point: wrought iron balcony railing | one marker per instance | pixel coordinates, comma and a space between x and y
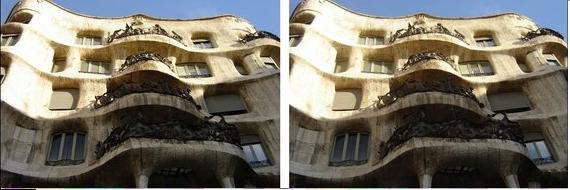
145, 56
128, 87
204, 130
413, 29
424, 56
412, 86
132, 31
347, 163
541, 32
416, 125
257, 35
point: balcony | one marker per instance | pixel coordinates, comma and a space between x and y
132, 31
541, 32
145, 56
413, 29
257, 35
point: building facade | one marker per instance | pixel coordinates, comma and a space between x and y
137, 101
425, 101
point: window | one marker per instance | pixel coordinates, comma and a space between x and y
347, 99
66, 149
2, 74
371, 40
203, 43
193, 70
341, 65
350, 149
22, 17
509, 102
485, 42
269, 63
227, 104
475, 68
9, 39
240, 68
377, 67
97, 67
58, 65
523, 66
64, 99
551, 59
304, 19
537, 148
254, 152
294, 40
88, 40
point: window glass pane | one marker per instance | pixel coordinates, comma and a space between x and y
552, 62
463, 69
79, 40
362, 40
54, 150
377, 67
259, 152
100, 67
487, 69
379, 41
367, 67
4, 40
475, 69
532, 150
248, 153
192, 70
338, 146
13, 40
96, 41
84, 66
181, 70
203, 69
351, 147
544, 153
363, 147
67, 145
79, 146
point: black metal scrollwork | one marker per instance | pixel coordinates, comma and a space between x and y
424, 56
414, 30
131, 31
415, 125
256, 35
540, 32
129, 88
145, 56
412, 86
204, 130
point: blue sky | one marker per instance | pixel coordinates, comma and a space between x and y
264, 14
546, 13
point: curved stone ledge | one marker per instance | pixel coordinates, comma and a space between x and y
485, 153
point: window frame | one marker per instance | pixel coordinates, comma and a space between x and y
371, 40
480, 67
199, 43
295, 40
485, 41
257, 162
245, 109
4, 73
269, 62
196, 68
343, 160
92, 40
382, 64
99, 64
59, 159
11, 39
551, 58
540, 160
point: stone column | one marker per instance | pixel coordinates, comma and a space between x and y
425, 180
533, 184
227, 181
142, 180
511, 180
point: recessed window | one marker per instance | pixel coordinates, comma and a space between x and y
294, 40
254, 152
537, 149
370, 40
88, 40
240, 68
226, 104
66, 149
485, 41
551, 59
341, 65
269, 63
9, 39
350, 149
193, 70
475, 68
2, 74
383, 67
509, 102
347, 99
523, 66
64, 99
58, 65
304, 19
203, 43
96, 67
